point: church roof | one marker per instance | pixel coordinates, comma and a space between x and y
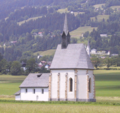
36, 80
17, 93
73, 57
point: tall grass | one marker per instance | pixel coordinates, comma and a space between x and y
56, 108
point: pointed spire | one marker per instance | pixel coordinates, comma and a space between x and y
65, 34
65, 29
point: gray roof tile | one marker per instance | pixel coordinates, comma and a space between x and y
34, 80
73, 57
17, 93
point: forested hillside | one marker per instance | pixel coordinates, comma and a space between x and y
28, 26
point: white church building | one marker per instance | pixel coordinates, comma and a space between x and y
71, 77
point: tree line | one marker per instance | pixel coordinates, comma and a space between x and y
111, 27
107, 62
49, 23
16, 67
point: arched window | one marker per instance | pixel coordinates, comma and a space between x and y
71, 84
89, 84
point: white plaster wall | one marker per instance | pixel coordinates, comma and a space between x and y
62, 85
82, 84
90, 74
17, 97
71, 74
70, 95
82, 87
38, 96
54, 84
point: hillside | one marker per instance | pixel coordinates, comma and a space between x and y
37, 25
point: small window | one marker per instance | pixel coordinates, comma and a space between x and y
71, 84
89, 85
34, 91
26, 90
42, 91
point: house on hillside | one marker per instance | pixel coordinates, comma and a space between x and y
40, 34
23, 65
13, 42
103, 35
44, 64
93, 51
71, 77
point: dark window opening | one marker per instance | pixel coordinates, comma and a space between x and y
42, 91
26, 90
89, 84
71, 84
34, 91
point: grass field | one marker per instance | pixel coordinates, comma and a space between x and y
100, 18
98, 5
76, 13
62, 10
56, 108
34, 18
107, 83
79, 31
10, 84
107, 95
44, 53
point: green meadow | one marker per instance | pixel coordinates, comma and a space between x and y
62, 10
115, 7
77, 33
98, 5
107, 83
100, 18
33, 18
45, 53
107, 95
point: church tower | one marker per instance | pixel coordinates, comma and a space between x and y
65, 34
72, 77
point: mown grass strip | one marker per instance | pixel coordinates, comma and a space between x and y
62, 102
